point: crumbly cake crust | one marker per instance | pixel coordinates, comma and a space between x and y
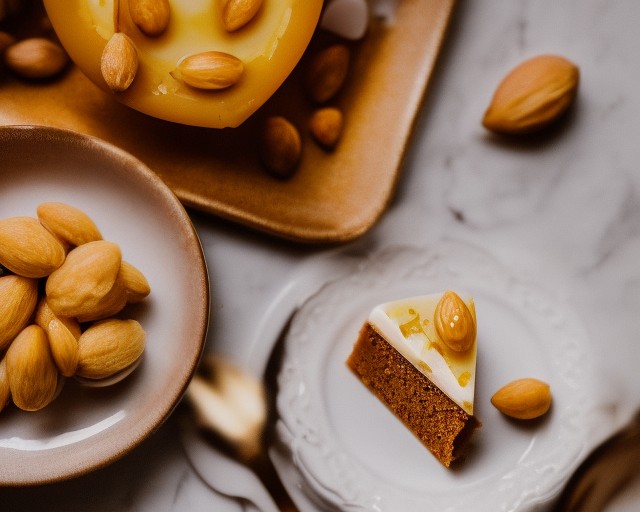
438, 422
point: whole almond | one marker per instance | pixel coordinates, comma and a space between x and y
18, 299
27, 248
68, 223
84, 279
209, 70
454, 322
150, 16
33, 377
44, 315
109, 346
533, 95
523, 399
36, 58
64, 347
6, 40
327, 72
237, 13
326, 126
119, 62
136, 285
280, 146
108, 305
5, 391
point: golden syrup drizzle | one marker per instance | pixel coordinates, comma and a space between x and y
464, 378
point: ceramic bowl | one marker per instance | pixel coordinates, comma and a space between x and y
87, 428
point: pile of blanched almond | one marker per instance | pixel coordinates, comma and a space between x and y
61, 286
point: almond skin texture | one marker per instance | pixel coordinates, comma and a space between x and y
36, 58
33, 377
136, 285
237, 13
280, 147
86, 277
28, 249
326, 126
152, 17
119, 62
44, 315
108, 347
523, 399
454, 322
532, 96
18, 299
68, 223
327, 72
64, 347
209, 70
5, 391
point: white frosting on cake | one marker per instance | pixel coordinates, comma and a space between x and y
408, 325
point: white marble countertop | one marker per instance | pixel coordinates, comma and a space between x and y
563, 210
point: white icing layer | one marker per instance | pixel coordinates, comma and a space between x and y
407, 324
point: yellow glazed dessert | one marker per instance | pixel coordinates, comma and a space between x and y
267, 47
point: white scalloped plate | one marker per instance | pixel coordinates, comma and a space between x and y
352, 453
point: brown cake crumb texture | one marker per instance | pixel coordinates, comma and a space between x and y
438, 422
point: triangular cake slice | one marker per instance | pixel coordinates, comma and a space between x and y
418, 356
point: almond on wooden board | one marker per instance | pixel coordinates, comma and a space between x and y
326, 72
36, 58
280, 146
533, 95
326, 126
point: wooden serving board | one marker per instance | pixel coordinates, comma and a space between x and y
333, 197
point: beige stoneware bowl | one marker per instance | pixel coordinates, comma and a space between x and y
87, 428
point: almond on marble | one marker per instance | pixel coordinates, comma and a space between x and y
533, 95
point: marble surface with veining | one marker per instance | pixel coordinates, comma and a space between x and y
562, 209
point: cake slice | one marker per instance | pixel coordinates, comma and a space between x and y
418, 356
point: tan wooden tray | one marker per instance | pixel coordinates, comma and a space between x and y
334, 197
